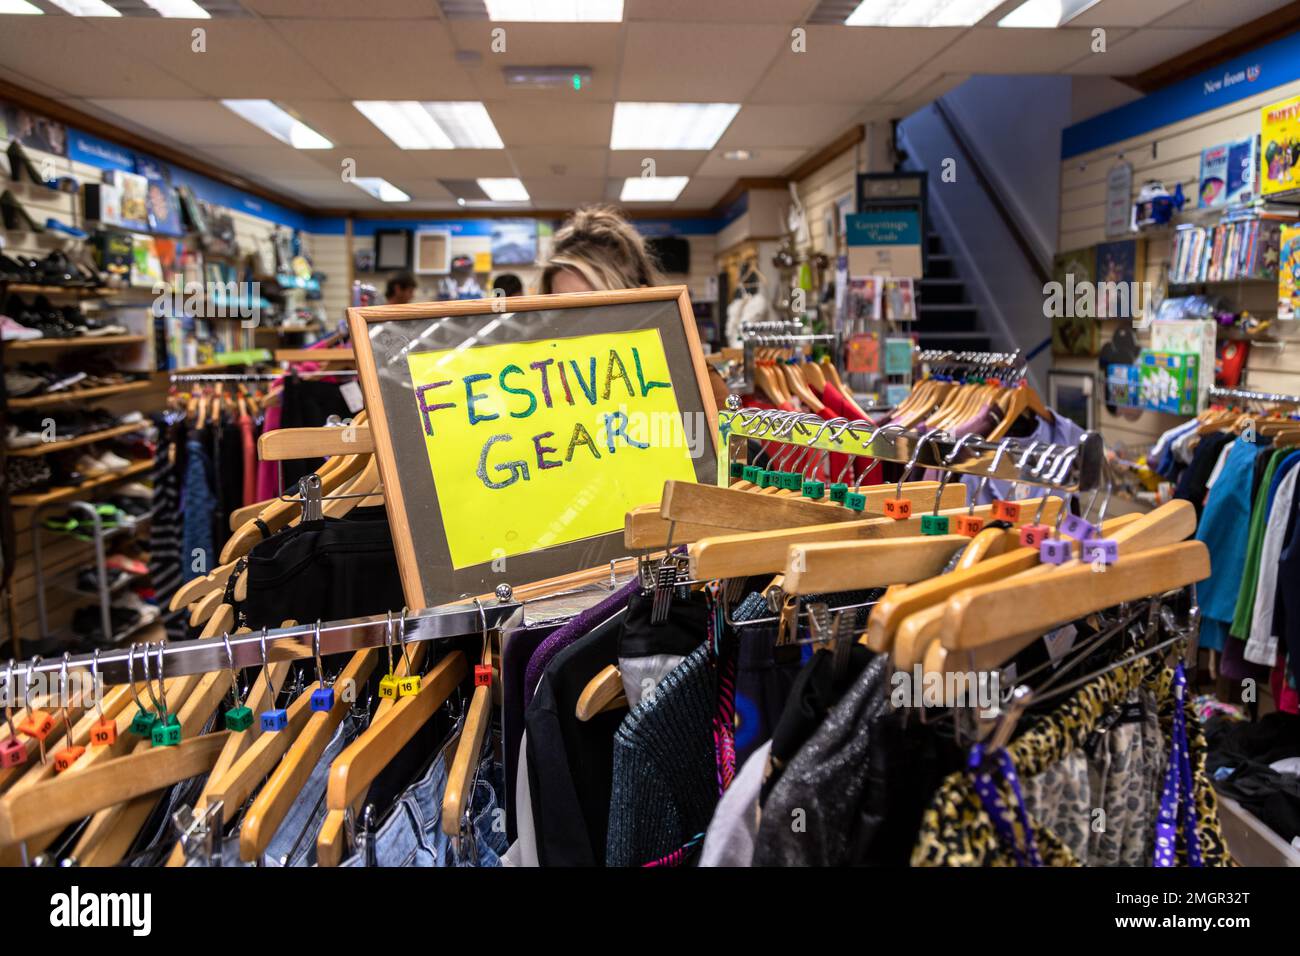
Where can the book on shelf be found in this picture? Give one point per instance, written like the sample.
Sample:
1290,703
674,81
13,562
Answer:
1237,248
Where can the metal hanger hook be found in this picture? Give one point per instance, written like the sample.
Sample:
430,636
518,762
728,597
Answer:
27,685
993,467
9,702
916,456
234,674
315,653
947,466
162,687
95,686
401,636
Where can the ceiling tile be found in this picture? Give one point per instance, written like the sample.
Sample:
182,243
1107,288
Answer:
317,189
380,59
763,162
559,160
1141,50
273,160
564,191
343,9
575,124
242,58
702,193
673,162
594,45
423,188
681,62
1217,13
200,122
69,54
999,50
338,121
726,11
849,64
1125,13
808,126
30,83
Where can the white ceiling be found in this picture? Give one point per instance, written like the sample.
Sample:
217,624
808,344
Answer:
315,56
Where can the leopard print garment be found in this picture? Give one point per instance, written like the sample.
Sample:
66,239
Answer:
956,831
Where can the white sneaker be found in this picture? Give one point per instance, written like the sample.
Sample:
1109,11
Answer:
113,461
136,489
89,466
12,331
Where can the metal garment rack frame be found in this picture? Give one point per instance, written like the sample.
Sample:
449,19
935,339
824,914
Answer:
1247,395
1066,468
779,332
206,655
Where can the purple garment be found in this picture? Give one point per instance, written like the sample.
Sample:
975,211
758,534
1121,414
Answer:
1060,432
576,628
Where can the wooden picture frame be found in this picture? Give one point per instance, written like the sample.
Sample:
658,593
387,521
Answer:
386,337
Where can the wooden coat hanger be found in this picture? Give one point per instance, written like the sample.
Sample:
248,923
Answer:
604,692
765,552
460,775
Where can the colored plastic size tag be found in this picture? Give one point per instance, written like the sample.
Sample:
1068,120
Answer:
103,732
66,757
793,481
12,753
1006,511
388,686
934,524
1055,551
38,724
815,490
239,719
274,720
737,470
408,686
855,501
838,491
167,732
1078,528
751,473
769,479
1100,551
1032,535
482,675
142,723
322,699
898,508
969,525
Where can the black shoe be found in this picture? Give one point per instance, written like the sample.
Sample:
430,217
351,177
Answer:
57,270
14,213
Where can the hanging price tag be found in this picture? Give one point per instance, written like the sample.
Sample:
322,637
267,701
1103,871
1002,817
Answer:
12,753
482,675
66,757
1055,551
239,719
815,490
1033,535
38,724
1100,551
408,686
167,731
838,491
322,699
934,524
969,525
1077,528
1008,511
855,501
388,686
898,508
103,732
274,720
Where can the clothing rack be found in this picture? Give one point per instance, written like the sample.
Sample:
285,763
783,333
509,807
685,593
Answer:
254,376
1065,468
120,666
1009,362
1246,395
778,333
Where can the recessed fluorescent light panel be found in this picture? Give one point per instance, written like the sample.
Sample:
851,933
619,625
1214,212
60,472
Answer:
555,11
86,8
670,125
381,189
920,13
415,125
504,190
652,188
20,6
287,129
1045,13
179,9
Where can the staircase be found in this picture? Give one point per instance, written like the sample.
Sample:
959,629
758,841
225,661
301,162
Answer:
946,318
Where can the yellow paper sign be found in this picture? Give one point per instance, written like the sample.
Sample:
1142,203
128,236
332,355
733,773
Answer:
538,444
1279,144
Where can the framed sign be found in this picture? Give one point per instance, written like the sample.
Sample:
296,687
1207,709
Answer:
512,444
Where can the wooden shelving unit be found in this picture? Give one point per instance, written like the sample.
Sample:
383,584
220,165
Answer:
33,288
79,342
50,447
83,489
76,395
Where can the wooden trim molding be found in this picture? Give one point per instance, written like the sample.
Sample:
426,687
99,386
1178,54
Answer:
1239,40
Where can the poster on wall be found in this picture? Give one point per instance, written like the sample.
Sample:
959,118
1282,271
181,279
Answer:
1227,174
514,243
164,208
1118,266
1074,333
1288,274
34,131
1119,193
1279,156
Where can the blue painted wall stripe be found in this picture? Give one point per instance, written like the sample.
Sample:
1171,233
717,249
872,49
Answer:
1262,69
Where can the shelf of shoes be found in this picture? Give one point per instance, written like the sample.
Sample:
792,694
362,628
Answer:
80,342
86,488
50,447
76,395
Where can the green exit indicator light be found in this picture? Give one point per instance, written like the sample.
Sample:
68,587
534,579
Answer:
577,81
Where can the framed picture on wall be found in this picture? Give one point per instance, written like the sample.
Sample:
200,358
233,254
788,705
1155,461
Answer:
1070,394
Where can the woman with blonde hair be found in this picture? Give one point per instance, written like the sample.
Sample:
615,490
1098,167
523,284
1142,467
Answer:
597,250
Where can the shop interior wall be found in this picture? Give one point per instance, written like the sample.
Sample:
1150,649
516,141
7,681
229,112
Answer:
1172,155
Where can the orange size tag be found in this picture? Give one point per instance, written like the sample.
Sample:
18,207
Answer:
1007,511
38,725
66,757
103,732
969,525
898,508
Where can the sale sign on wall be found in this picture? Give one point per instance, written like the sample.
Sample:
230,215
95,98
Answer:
542,443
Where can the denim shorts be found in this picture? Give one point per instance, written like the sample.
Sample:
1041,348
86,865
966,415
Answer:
412,834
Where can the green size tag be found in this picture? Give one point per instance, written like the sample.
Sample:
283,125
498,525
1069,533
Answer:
855,501
167,731
751,474
239,718
793,481
142,723
766,479
737,470
815,490
934,524
838,491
